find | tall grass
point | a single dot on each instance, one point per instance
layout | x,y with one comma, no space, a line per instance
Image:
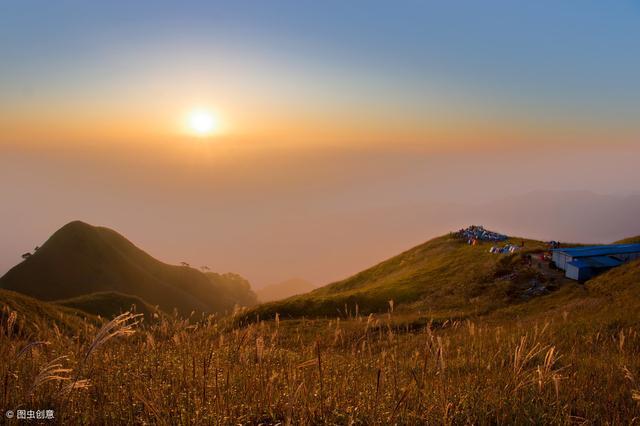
364,370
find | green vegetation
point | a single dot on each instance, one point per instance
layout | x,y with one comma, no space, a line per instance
109,304
474,348
34,316
563,358
631,240
80,259
232,289
442,275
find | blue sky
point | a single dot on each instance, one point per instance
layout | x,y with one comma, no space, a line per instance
574,57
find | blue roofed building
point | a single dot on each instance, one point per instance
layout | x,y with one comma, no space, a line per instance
583,263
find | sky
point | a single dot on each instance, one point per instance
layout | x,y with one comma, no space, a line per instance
327,114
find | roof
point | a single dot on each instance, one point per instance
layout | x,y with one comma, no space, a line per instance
596,262
600,250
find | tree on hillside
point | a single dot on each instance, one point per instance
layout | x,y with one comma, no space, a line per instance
26,255
185,264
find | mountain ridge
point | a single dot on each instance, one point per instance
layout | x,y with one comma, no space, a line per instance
80,259
444,276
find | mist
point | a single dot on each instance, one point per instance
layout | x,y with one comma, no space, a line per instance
317,214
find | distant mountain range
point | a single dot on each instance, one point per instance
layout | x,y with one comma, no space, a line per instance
80,260
284,289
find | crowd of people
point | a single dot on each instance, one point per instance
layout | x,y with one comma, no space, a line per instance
475,233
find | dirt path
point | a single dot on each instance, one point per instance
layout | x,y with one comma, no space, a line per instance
542,265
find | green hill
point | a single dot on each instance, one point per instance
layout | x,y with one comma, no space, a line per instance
34,315
109,304
81,259
610,301
444,274
623,278
630,240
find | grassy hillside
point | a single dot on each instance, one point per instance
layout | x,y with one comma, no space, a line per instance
284,289
81,259
621,285
569,357
109,304
34,317
630,240
566,357
443,274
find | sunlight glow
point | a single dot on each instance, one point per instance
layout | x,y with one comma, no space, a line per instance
201,122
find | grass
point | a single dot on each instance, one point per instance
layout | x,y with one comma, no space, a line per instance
400,343
109,304
34,316
443,274
81,259
564,358
630,240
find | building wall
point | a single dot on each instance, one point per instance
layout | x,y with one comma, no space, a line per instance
582,274
572,272
560,259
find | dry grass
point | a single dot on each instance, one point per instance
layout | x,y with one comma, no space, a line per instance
365,370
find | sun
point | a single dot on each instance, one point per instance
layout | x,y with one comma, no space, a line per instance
201,122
